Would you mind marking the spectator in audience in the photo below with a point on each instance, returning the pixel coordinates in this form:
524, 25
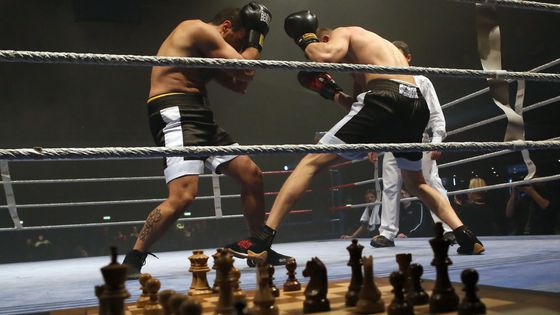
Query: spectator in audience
533, 209
474, 210
370, 219
43, 247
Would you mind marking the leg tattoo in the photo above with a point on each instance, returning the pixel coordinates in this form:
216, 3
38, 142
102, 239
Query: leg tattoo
153, 218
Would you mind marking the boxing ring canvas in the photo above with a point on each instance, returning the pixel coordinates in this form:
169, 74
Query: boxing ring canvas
519, 262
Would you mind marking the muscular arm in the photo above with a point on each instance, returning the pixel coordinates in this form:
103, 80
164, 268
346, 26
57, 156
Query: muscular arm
212, 45
231, 82
344, 100
332, 51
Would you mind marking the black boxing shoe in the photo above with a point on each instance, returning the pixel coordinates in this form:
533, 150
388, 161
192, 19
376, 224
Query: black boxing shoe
469, 244
253, 244
135, 260
450, 238
381, 241
273, 258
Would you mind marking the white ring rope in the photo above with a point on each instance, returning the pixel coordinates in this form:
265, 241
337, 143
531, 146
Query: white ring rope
502, 116
477, 189
153, 152
219, 63
519, 4
487, 89
451, 193
82, 225
107, 202
480, 157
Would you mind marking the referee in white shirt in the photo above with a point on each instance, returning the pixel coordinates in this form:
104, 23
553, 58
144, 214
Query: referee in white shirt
392, 179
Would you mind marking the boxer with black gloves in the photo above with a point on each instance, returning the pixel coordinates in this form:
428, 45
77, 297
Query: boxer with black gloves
180, 115
386, 108
301, 26
256, 18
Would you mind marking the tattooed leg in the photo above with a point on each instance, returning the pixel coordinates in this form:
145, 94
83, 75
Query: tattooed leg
157, 223
153, 218
181, 193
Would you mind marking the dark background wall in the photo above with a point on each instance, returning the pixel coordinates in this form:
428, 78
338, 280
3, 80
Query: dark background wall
90, 106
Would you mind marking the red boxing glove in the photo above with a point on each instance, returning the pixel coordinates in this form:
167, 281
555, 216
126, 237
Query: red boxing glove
320, 82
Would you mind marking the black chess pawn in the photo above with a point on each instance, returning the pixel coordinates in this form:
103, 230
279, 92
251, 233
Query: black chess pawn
291, 284
175, 301
355, 263
471, 304
443, 299
240, 307
399, 305
163, 298
273, 287
403, 260
190, 306
416, 295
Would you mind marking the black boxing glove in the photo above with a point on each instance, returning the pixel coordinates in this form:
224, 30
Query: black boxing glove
320, 82
256, 19
301, 26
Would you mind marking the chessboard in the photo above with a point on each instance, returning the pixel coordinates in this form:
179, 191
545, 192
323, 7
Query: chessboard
497, 300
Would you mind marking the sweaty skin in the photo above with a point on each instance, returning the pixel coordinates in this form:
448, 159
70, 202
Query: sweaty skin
355, 45
358, 46
195, 38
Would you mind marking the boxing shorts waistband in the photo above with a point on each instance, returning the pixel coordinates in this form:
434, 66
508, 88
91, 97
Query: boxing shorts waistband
401, 87
165, 100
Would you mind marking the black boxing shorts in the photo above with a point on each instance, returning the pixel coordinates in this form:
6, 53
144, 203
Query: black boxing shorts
183, 119
391, 111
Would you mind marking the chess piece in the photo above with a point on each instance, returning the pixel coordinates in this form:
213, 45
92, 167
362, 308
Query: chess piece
144, 296
163, 298
416, 295
443, 299
399, 306
273, 287
199, 268
317, 288
190, 306
471, 304
264, 299
291, 284
224, 264
217, 280
403, 260
237, 292
153, 307
114, 293
175, 301
355, 263
102, 304
369, 298
240, 307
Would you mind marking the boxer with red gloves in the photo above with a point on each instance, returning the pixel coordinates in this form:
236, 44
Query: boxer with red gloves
301, 26
386, 108
320, 82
